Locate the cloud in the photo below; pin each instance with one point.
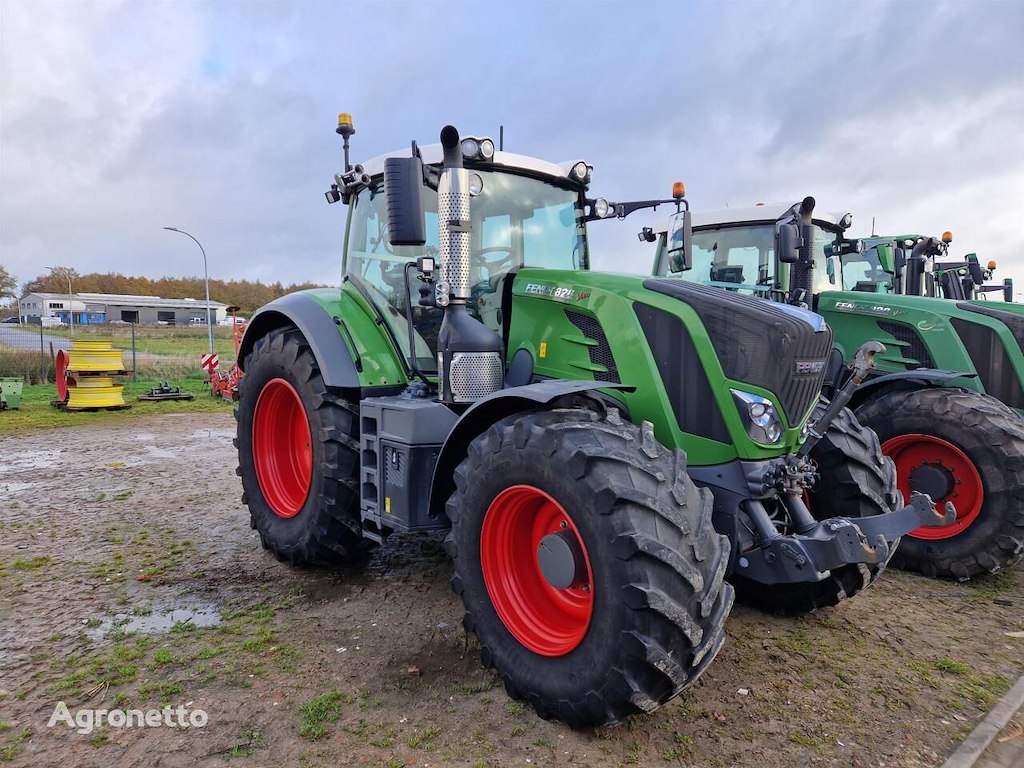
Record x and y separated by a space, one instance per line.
117 119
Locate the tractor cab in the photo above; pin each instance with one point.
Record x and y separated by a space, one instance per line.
524 213
735 249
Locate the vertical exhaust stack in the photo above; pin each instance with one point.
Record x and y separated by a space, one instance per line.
469 354
802 273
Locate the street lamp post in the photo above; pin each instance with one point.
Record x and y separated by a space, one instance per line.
206 276
71 301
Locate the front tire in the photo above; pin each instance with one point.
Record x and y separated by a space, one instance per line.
298 454
854 480
627 607
963 447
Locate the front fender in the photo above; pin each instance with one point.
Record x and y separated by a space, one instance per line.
489 410
925 377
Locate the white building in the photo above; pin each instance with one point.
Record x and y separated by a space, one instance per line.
95 308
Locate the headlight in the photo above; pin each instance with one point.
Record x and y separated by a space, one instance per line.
759 416
486 149
601 208
470 149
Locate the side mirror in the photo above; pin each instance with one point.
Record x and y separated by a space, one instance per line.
680 242
899 261
403 187
886 258
1008 289
789 243
830 270
974 268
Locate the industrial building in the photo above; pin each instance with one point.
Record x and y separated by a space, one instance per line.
96 308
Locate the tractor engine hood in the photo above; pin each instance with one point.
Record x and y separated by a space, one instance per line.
780 348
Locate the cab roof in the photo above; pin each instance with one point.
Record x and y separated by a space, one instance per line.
433 154
757 214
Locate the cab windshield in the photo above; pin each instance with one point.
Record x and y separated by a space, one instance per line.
863 272
742 259
517 221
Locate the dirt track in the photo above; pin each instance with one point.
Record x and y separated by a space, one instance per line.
129 578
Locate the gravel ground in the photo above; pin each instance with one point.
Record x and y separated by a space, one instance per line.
129 578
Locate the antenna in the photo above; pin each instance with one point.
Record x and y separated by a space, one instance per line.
872 226
501 138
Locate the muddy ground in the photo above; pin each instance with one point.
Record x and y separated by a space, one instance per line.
129 578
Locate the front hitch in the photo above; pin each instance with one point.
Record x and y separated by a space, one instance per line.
811 554
863 363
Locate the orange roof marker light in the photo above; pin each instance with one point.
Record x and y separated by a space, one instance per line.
992 264
678 190
947 237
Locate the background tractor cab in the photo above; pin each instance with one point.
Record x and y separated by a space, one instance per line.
886 269
939 395
749 250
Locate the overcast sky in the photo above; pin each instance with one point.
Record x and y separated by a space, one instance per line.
119 118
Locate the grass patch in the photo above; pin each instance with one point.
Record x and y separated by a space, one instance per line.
953 667
31 564
424 739
37 413
325 708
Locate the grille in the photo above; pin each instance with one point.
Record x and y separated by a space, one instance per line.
758 342
474 375
913 348
990 361
602 353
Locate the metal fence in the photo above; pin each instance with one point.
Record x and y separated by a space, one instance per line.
150 352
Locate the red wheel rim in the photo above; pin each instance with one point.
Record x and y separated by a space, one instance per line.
910 452
61 375
282 448
546 620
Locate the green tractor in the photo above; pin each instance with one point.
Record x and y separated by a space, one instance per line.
946 396
882 267
471 375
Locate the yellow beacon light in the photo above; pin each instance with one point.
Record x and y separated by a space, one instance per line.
947 237
678 190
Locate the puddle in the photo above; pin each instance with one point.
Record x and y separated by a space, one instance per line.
162 453
196 615
42 459
211 433
15 487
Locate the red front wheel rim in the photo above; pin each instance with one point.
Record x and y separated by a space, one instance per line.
546 620
282 448
910 452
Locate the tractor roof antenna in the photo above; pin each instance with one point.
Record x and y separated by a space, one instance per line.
501 138
872 226
346 130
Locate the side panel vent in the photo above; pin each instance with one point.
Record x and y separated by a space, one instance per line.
602 353
682 374
915 353
991 361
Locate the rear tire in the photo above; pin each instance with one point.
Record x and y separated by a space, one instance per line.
854 480
644 614
298 454
972 446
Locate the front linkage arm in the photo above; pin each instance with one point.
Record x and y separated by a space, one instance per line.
816 547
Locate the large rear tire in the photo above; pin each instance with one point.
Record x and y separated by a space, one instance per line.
298 454
640 610
854 480
963 447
